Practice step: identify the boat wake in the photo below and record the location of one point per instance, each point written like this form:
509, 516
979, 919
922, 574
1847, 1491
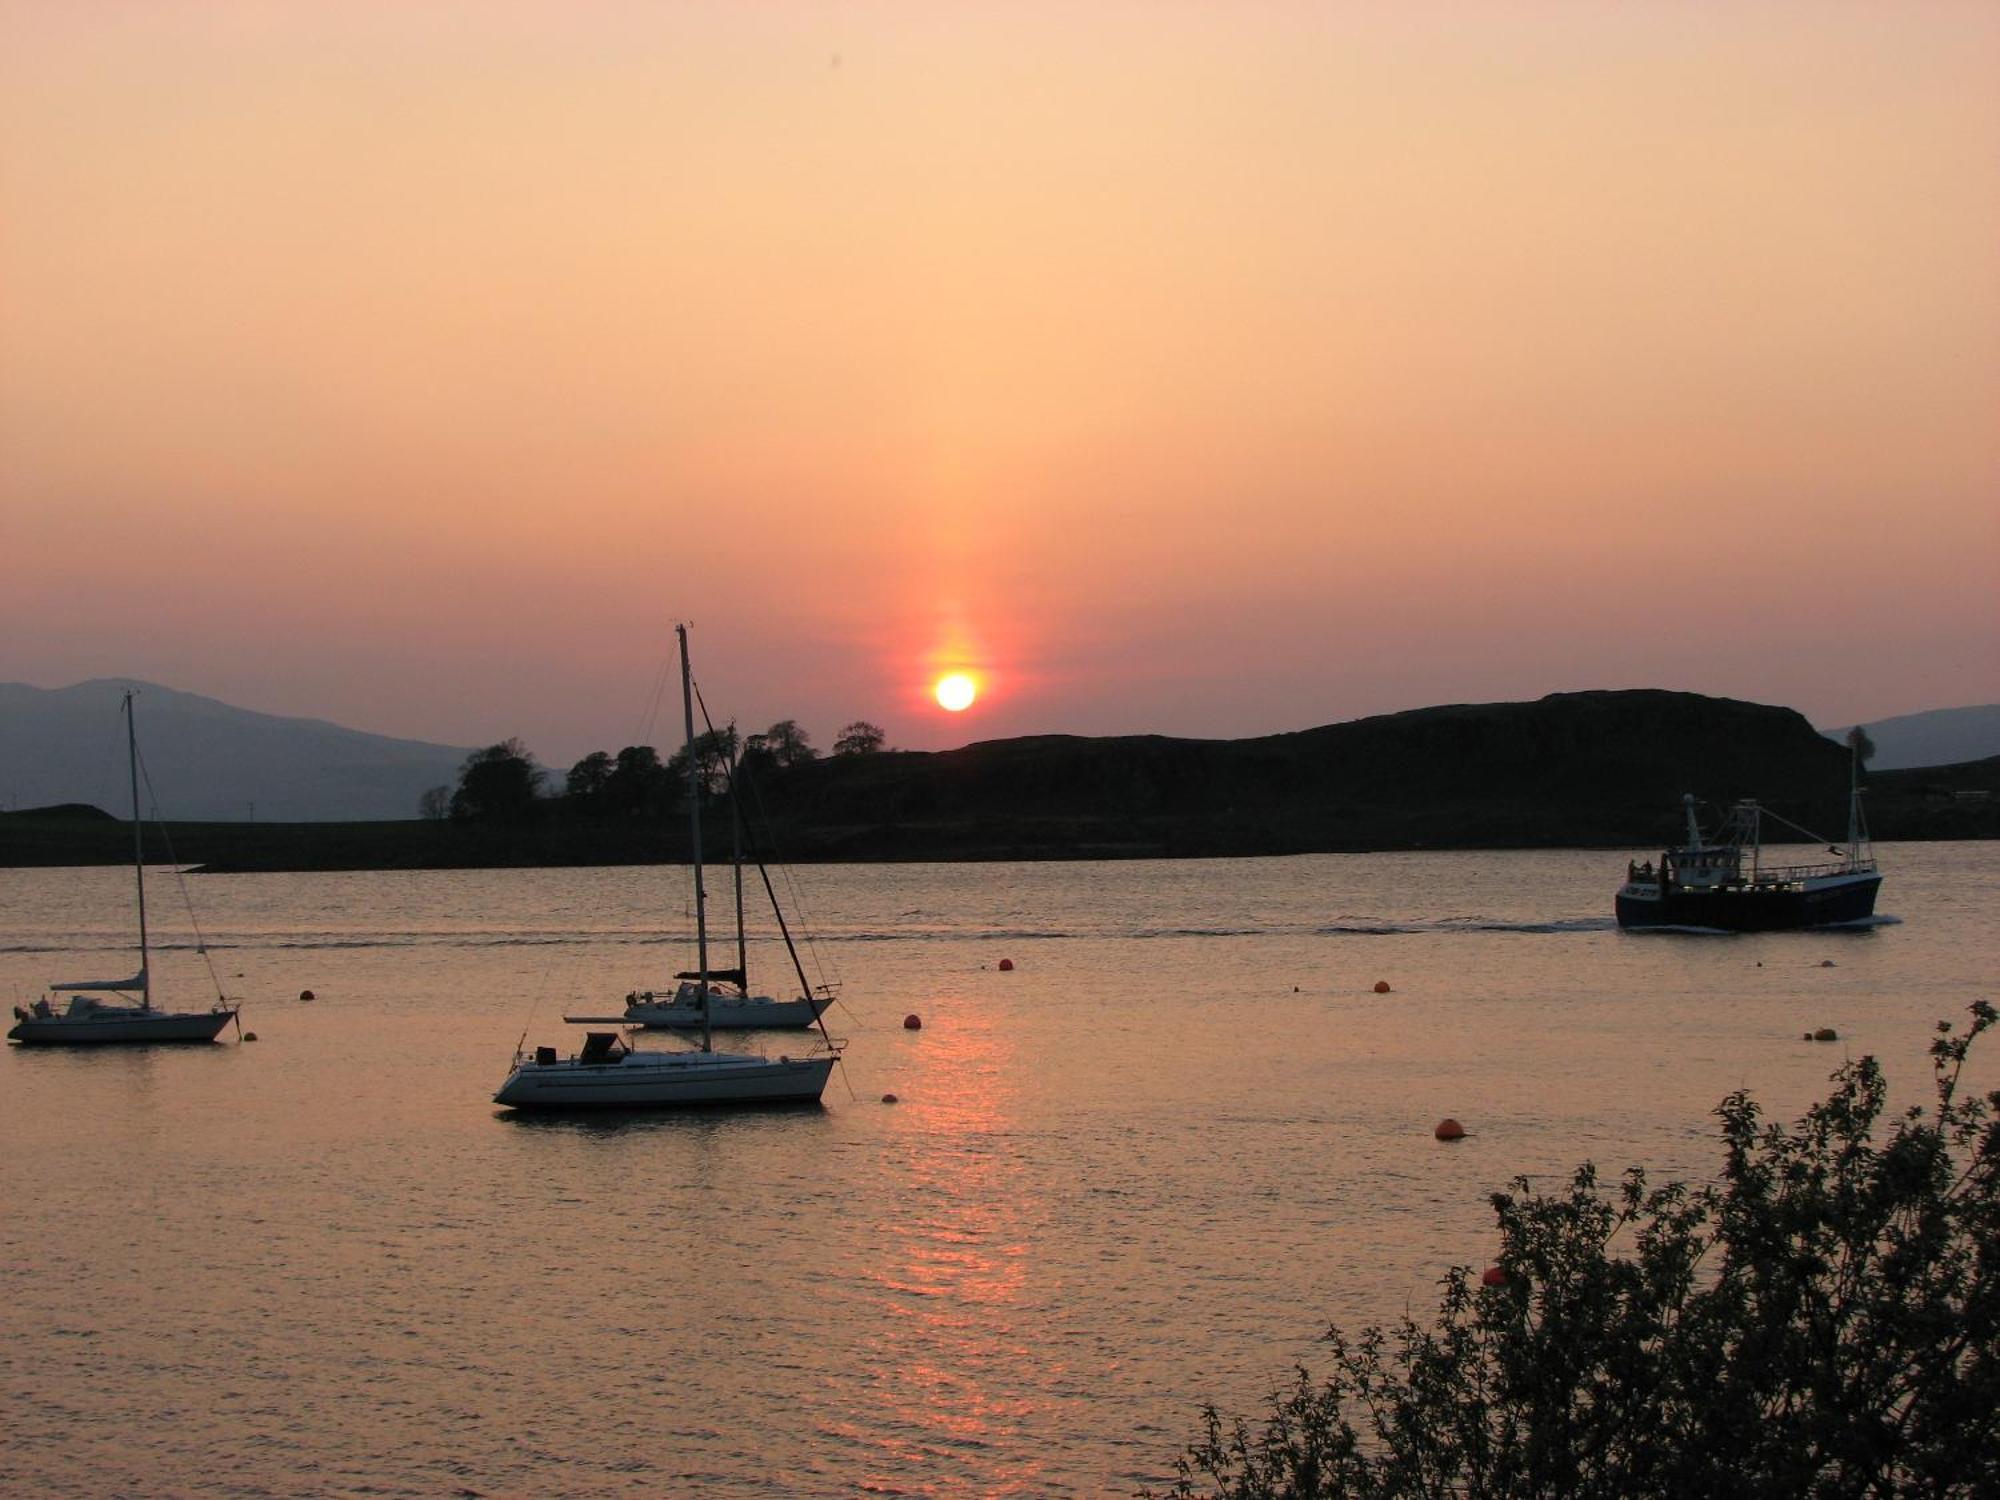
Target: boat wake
1462, 925
1682, 929
1859, 924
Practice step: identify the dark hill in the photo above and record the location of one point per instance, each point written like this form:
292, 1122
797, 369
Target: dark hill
66, 812
1938, 802
1604, 769
1573, 768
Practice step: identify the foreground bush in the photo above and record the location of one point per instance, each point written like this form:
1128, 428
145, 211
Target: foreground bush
1824, 1321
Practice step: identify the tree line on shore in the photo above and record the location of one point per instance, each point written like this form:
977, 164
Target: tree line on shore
503, 782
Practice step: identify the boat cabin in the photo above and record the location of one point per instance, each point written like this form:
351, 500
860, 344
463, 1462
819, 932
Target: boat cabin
1703, 869
602, 1047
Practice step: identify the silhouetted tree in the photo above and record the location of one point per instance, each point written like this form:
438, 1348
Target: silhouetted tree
757, 758
788, 743
435, 804
859, 738
1859, 742
639, 786
715, 752
500, 782
588, 776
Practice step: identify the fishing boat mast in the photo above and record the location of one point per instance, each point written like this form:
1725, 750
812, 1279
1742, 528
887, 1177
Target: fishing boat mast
138, 857
1853, 800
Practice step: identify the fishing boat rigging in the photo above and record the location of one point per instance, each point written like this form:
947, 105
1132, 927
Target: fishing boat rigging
1723, 883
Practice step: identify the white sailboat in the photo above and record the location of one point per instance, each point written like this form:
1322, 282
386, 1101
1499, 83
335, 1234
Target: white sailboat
88, 1020
730, 1005
607, 1073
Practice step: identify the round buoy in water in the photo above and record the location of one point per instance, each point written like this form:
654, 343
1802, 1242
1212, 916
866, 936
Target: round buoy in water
249, 1036
1449, 1130
888, 1098
1827, 963
1826, 1034
1493, 1276
1006, 965
1381, 986
913, 1022
305, 994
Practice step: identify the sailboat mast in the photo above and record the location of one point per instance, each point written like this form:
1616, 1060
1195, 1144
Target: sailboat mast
736, 869
138, 858
694, 831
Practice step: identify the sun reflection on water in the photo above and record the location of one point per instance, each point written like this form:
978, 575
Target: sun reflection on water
956, 1288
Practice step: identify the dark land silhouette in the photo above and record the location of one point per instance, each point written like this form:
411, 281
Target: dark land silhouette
1595, 770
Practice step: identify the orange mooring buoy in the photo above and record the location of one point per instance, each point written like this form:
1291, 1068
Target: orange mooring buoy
1381, 986
1006, 965
888, 1098
1493, 1276
913, 1022
305, 994
1449, 1129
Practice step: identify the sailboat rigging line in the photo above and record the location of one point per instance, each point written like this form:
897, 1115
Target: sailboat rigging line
829, 981
535, 1003
763, 871
650, 720
180, 880
852, 1096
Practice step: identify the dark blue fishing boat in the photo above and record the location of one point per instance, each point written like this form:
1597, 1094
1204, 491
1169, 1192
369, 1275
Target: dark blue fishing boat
1723, 882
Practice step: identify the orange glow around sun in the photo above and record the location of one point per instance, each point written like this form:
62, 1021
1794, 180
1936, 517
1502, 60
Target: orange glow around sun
956, 692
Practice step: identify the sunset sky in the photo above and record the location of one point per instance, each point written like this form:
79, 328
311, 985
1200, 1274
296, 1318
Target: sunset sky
1166, 367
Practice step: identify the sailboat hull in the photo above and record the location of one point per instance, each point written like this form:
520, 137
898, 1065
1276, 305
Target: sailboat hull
664, 1080
135, 1027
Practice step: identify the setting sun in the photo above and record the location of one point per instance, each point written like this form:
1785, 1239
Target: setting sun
956, 692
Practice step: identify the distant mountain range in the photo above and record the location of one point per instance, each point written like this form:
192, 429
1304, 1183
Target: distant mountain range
207, 761
1939, 737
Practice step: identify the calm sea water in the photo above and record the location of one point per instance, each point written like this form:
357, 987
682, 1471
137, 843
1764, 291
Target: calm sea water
1140, 1172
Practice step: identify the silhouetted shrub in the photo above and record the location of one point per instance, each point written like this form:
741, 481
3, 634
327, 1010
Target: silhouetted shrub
1823, 1321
